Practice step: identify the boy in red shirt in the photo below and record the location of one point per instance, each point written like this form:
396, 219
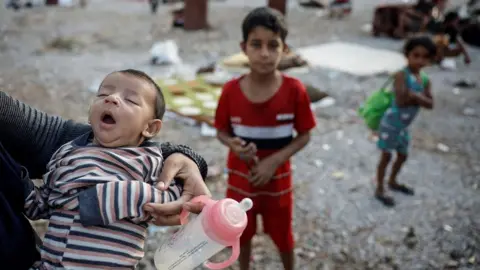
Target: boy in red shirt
256, 118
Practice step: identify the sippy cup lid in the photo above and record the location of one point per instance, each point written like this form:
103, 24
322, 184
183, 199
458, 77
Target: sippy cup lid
226, 220
234, 213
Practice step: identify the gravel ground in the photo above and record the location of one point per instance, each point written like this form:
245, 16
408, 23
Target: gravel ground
337, 222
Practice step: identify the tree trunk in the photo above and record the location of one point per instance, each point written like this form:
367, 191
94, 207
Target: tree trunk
195, 15
280, 5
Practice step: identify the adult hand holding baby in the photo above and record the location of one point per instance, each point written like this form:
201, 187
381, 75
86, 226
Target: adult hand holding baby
182, 168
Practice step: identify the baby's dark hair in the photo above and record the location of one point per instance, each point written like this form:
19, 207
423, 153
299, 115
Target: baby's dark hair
422, 41
160, 100
266, 17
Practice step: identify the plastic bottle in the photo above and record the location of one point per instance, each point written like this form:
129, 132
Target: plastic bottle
219, 225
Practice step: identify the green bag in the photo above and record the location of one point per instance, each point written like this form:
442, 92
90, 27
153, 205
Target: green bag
378, 102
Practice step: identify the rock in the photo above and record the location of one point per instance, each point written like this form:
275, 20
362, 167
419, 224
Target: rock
471, 260
469, 111
452, 264
442, 147
214, 171
315, 94
456, 255
465, 84
340, 257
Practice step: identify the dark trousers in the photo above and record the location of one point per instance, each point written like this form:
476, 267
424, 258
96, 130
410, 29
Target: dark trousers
17, 237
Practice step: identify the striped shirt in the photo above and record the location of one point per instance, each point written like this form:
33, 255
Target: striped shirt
93, 198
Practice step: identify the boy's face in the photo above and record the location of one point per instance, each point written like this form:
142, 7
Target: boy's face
123, 112
264, 50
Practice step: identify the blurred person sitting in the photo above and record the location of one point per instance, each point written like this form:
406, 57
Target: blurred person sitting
419, 18
448, 40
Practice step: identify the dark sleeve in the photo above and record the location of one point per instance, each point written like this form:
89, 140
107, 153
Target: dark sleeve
170, 148
31, 136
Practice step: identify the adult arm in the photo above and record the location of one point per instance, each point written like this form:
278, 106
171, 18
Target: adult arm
32, 136
107, 203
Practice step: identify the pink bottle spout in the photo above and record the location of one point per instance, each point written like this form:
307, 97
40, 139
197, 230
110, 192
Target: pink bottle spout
224, 222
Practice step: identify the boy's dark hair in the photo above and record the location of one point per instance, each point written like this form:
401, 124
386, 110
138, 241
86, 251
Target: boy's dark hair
266, 17
160, 100
422, 41
451, 16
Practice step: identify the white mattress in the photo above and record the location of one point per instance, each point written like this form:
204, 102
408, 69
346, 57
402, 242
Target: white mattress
352, 58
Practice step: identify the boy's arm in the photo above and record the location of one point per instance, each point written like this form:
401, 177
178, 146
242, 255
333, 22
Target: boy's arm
222, 117
224, 129
304, 122
225, 138
291, 149
107, 203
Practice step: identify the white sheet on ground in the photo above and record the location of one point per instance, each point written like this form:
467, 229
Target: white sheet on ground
353, 58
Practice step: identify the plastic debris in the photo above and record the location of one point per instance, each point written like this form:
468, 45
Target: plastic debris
442, 147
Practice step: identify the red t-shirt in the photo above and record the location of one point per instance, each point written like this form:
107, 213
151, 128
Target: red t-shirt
270, 125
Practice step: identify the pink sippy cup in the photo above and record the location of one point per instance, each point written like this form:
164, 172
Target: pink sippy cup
219, 225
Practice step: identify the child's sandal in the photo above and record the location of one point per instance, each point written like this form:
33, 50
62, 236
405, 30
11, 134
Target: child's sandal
386, 200
401, 188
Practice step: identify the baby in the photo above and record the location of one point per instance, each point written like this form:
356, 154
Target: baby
95, 186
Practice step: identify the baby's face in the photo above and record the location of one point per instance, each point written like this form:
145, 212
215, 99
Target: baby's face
123, 113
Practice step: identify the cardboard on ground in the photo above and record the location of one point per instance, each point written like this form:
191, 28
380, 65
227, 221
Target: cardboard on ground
352, 58
182, 97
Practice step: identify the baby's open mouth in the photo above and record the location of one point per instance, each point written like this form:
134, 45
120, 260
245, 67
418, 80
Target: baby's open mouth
107, 118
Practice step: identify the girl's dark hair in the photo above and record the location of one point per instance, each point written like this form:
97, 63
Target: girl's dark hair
451, 16
266, 17
160, 100
422, 41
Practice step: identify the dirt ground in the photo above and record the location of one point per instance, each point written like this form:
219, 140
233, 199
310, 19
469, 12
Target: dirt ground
50, 57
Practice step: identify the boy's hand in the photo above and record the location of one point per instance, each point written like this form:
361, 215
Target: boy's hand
263, 171
243, 150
